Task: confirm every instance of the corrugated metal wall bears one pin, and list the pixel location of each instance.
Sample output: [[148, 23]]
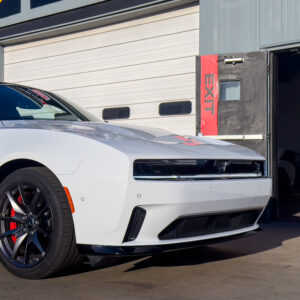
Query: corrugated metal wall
[[228, 26], [247, 25], [279, 22]]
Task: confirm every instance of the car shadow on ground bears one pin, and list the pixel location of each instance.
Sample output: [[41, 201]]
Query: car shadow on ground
[[272, 236]]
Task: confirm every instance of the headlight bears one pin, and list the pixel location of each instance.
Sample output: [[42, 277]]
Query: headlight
[[193, 169]]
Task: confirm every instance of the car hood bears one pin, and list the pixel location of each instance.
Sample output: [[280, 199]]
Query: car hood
[[143, 142]]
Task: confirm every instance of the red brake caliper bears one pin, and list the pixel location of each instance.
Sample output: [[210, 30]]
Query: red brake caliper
[[12, 224]]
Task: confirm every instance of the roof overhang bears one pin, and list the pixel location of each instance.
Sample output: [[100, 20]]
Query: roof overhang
[[92, 16]]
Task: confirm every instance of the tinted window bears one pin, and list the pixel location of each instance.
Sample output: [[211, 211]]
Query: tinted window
[[9, 7], [116, 113], [175, 108], [37, 3], [24, 103], [230, 90]]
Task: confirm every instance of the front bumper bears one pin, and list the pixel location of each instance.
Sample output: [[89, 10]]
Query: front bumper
[[103, 216], [166, 202], [96, 250]]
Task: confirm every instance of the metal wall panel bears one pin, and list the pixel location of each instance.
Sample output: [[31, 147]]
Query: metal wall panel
[[280, 22], [291, 20], [228, 26], [247, 25], [270, 21]]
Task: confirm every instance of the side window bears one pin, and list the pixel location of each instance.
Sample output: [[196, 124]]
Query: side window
[[175, 108], [116, 113], [22, 103], [9, 8], [230, 90]]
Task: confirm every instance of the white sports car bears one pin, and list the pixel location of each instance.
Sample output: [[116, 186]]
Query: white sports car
[[72, 185]]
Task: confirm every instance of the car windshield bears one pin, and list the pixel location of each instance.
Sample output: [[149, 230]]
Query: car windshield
[[25, 103]]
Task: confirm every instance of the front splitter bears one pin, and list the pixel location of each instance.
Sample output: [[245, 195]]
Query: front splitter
[[96, 250]]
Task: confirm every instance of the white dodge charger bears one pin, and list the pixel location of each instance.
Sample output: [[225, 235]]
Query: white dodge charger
[[74, 186]]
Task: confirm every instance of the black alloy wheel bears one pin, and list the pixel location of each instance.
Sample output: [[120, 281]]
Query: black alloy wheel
[[36, 226], [26, 227]]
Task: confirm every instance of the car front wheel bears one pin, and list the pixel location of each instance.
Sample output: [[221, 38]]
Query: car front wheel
[[36, 227]]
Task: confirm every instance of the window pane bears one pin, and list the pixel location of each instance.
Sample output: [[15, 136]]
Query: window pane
[[9, 7], [22, 103], [175, 108], [37, 3], [230, 90], [116, 113]]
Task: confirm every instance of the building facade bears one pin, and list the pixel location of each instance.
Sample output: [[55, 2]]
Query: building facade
[[137, 67], [223, 68]]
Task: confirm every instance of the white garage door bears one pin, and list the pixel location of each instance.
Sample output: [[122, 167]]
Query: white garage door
[[137, 64]]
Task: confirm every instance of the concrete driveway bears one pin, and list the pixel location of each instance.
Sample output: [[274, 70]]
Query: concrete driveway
[[263, 266]]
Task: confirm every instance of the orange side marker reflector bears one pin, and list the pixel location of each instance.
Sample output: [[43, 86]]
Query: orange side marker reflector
[[69, 199]]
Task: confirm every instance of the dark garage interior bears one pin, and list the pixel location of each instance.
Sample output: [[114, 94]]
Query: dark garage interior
[[288, 135]]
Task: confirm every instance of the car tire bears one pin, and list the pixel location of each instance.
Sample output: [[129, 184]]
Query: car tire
[[37, 237]]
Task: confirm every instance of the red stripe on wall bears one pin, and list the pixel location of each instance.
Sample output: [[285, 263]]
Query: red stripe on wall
[[209, 94]]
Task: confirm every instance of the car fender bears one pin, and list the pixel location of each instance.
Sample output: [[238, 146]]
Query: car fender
[[99, 190], [60, 152]]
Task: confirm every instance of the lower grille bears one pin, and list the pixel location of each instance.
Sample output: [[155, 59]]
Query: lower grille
[[135, 224], [191, 226]]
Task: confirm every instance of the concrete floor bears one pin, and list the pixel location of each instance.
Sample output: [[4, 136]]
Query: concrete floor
[[263, 266]]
